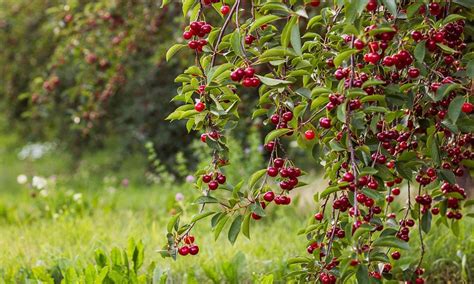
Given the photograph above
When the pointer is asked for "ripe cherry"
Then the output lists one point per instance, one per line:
(189, 239)
(221, 179)
(319, 216)
(206, 178)
(315, 3)
(213, 185)
(396, 255)
(193, 250)
(187, 35)
(193, 44)
(199, 106)
(371, 6)
(249, 39)
(278, 162)
(413, 72)
(249, 72)
(348, 176)
(435, 8)
(203, 137)
(271, 171)
(325, 122)
(269, 196)
(287, 116)
(467, 107)
(359, 44)
(184, 250)
(309, 134)
(225, 9)
(416, 35)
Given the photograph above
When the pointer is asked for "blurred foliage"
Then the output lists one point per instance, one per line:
(83, 71)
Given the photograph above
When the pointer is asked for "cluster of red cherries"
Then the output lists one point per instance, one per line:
(197, 29)
(246, 76)
(288, 174)
(189, 247)
(213, 180)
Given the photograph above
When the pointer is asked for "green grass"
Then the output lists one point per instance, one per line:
(32, 237)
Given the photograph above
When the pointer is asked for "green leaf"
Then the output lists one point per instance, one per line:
(452, 18)
(391, 241)
(343, 56)
(172, 222)
(295, 39)
(220, 225)
(362, 274)
(263, 20)
(256, 176)
(187, 4)
(391, 6)
(447, 175)
(246, 226)
(454, 109)
(465, 3)
(205, 199)
(218, 70)
(434, 150)
(236, 43)
(341, 113)
(372, 82)
(276, 133)
(420, 51)
(286, 33)
(426, 222)
(446, 48)
(445, 89)
(328, 191)
(172, 50)
(272, 82)
(234, 229)
(277, 52)
(470, 69)
(201, 216)
(413, 9)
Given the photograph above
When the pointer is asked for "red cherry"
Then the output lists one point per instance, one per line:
(371, 6)
(195, 26)
(416, 35)
(287, 116)
(273, 172)
(396, 191)
(413, 72)
(199, 106)
(249, 39)
(193, 250)
(309, 134)
(189, 239)
(269, 196)
(467, 107)
(315, 3)
(249, 72)
(319, 216)
(221, 179)
(255, 216)
(206, 28)
(435, 9)
(206, 178)
(278, 162)
(187, 35)
(203, 137)
(348, 176)
(225, 9)
(213, 185)
(184, 250)
(359, 44)
(325, 122)
(396, 255)
(193, 44)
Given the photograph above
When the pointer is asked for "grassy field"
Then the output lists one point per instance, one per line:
(80, 211)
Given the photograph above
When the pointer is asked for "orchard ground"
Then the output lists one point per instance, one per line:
(95, 207)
